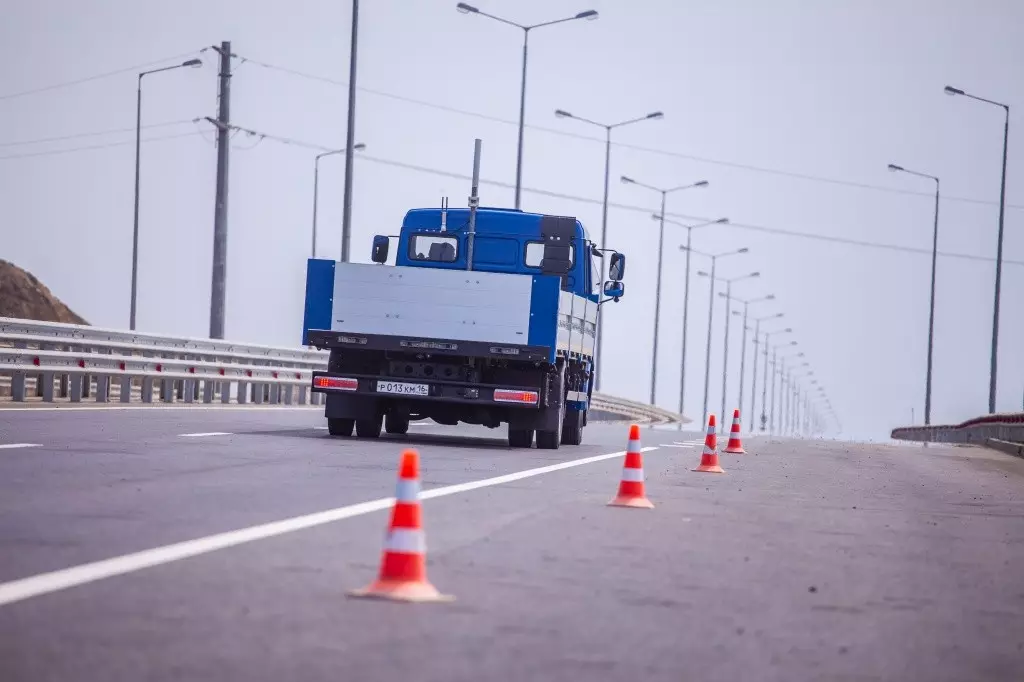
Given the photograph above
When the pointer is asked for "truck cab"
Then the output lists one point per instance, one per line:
(487, 316)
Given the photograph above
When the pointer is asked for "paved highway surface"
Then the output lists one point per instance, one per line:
(807, 560)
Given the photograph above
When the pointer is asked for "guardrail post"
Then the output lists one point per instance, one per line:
(275, 394)
(126, 389)
(167, 390)
(302, 395)
(225, 392)
(47, 386)
(65, 385)
(76, 382)
(208, 389)
(243, 392)
(188, 390)
(288, 391)
(257, 394)
(147, 389)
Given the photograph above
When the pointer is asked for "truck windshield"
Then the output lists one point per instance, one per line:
(432, 247)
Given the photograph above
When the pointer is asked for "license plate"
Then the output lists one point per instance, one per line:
(402, 388)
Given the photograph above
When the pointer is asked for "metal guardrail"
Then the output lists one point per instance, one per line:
(50, 361)
(1004, 427)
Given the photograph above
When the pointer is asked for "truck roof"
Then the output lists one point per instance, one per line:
(489, 220)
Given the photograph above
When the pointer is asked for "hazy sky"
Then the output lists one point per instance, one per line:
(791, 110)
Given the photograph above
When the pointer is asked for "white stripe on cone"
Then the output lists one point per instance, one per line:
(633, 446)
(633, 475)
(406, 540)
(408, 490)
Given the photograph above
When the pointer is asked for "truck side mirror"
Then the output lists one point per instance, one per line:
(614, 290)
(380, 249)
(617, 268)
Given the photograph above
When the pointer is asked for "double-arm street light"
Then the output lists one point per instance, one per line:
(661, 244)
(561, 113)
(711, 312)
(743, 343)
(764, 388)
(469, 9)
(931, 307)
(316, 182)
(775, 372)
(686, 298)
(138, 150)
(753, 376)
(727, 295)
(999, 244)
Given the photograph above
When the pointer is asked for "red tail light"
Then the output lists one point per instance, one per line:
(505, 395)
(336, 383)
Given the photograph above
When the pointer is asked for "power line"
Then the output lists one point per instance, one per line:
(649, 150)
(98, 133)
(70, 150)
(87, 79)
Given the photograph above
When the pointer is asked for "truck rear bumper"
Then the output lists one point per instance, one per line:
(477, 349)
(387, 388)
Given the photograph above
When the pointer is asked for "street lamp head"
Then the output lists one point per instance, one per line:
(193, 62)
(950, 90)
(466, 9)
(893, 167)
(626, 180)
(754, 274)
(770, 297)
(721, 221)
(788, 329)
(655, 216)
(655, 115)
(590, 14)
(561, 113)
(701, 183)
(743, 250)
(702, 273)
(359, 146)
(736, 312)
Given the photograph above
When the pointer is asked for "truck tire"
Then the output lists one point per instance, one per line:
(572, 428)
(550, 440)
(340, 427)
(394, 425)
(520, 438)
(369, 428)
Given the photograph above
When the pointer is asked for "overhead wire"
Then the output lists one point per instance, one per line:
(624, 145)
(97, 133)
(120, 143)
(98, 76)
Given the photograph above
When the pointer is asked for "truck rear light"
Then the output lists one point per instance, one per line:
(505, 395)
(336, 383)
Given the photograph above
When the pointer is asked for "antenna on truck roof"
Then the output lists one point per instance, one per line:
(444, 214)
(474, 201)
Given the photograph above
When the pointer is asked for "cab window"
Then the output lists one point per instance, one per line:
(433, 247)
(535, 254)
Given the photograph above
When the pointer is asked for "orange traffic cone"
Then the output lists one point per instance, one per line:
(734, 446)
(403, 570)
(709, 460)
(631, 486)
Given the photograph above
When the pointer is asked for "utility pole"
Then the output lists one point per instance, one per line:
(346, 216)
(218, 288)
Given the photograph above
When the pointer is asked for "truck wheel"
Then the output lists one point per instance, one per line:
(550, 440)
(572, 428)
(396, 425)
(520, 438)
(340, 427)
(369, 428)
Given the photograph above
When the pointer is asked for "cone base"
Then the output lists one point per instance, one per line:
(735, 451)
(710, 468)
(636, 502)
(397, 590)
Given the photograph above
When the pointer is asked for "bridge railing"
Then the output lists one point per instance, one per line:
(55, 362)
(1002, 427)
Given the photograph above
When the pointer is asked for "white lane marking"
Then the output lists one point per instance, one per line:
(204, 435)
(13, 446)
(679, 445)
(45, 583)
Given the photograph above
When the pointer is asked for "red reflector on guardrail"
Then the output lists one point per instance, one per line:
(159, 367)
(121, 365)
(81, 363)
(191, 370)
(504, 395)
(221, 370)
(35, 361)
(336, 383)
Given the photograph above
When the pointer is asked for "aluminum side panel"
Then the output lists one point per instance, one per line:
(577, 328)
(424, 302)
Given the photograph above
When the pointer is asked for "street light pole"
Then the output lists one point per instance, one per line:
(725, 350)
(350, 132)
(686, 298)
(743, 346)
(999, 244)
(753, 378)
(138, 159)
(561, 113)
(469, 9)
(661, 244)
(316, 183)
(931, 305)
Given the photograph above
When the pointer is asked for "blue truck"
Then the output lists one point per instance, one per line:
(488, 316)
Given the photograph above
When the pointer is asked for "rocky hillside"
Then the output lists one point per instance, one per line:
(23, 296)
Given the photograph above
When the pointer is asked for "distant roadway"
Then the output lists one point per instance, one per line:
(806, 560)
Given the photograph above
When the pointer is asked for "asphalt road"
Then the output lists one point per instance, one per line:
(807, 560)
